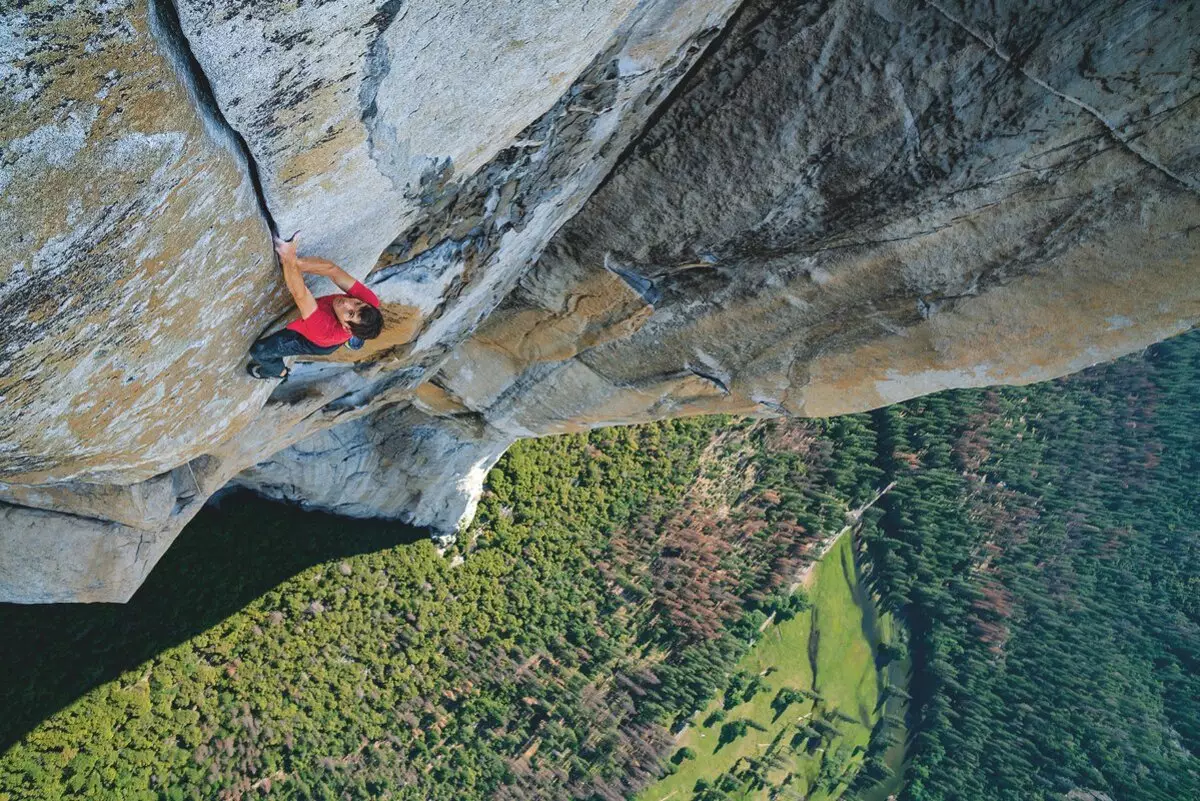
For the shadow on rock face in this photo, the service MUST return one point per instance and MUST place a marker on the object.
(223, 560)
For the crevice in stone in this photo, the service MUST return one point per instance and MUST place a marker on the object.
(166, 28)
(1128, 143)
(361, 398)
(137, 555)
(709, 377)
(378, 64)
(52, 513)
(645, 287)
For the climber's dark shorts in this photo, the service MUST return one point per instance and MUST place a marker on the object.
(269, 351)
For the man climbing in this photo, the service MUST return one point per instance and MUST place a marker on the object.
(325, 323)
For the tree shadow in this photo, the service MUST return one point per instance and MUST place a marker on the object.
(226, 557)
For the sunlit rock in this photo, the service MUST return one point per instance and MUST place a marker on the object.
(576, 214)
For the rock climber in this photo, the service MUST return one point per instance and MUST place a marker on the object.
(325, 324)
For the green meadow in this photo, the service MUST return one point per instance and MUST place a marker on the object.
(814, 747)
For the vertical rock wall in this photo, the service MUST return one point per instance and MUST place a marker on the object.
(135, 266)
(442, 145)
(576, 213)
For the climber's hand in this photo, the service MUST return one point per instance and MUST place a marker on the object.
(286, 248)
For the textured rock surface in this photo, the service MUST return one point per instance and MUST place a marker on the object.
(133, 255)
(844, 205)
(53, 558)
(565, 107)
(356, 111)
(956, 222)
(397, 462)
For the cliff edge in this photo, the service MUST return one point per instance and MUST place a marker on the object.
(576, 213)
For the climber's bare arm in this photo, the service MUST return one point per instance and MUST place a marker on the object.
(294, 280)
(317, 266)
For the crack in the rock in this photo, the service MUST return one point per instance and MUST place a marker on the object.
(645, 287)
(709, 377)
(137, 554)
(378, 64)
(166, 28)
(1128, 143)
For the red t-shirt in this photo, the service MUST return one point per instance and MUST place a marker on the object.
(322, 327)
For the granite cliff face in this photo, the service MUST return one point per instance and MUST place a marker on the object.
(577, 213)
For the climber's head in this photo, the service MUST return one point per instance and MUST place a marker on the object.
(361, 319)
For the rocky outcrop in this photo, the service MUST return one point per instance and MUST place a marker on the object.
(397, 462)
(577, 214)
(964, 221)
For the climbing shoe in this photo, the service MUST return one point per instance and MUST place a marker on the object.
(256, 370)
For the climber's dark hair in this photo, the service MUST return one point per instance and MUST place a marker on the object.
(370, 323)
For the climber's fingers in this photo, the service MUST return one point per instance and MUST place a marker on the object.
(286, 246)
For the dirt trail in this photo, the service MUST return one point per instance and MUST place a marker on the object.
(803, 577)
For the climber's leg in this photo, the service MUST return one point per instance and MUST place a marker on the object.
(268, 353)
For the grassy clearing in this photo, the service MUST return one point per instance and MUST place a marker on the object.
(828, 652)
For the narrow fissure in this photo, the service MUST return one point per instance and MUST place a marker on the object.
(378, 65)
(165, 26)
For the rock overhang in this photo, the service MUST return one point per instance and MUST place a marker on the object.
(843, 205)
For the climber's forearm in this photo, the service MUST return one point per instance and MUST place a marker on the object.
(319, 266)
(314, 265)
(295, 284)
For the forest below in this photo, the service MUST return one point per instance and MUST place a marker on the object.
(1039, 545)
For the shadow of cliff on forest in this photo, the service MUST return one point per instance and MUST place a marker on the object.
(50, 655)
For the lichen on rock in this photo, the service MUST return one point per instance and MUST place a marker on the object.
(131, 255)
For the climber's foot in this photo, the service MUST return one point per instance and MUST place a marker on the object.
(256, 370)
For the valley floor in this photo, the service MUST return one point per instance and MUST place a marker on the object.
(1039, 544)
(829, 651)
